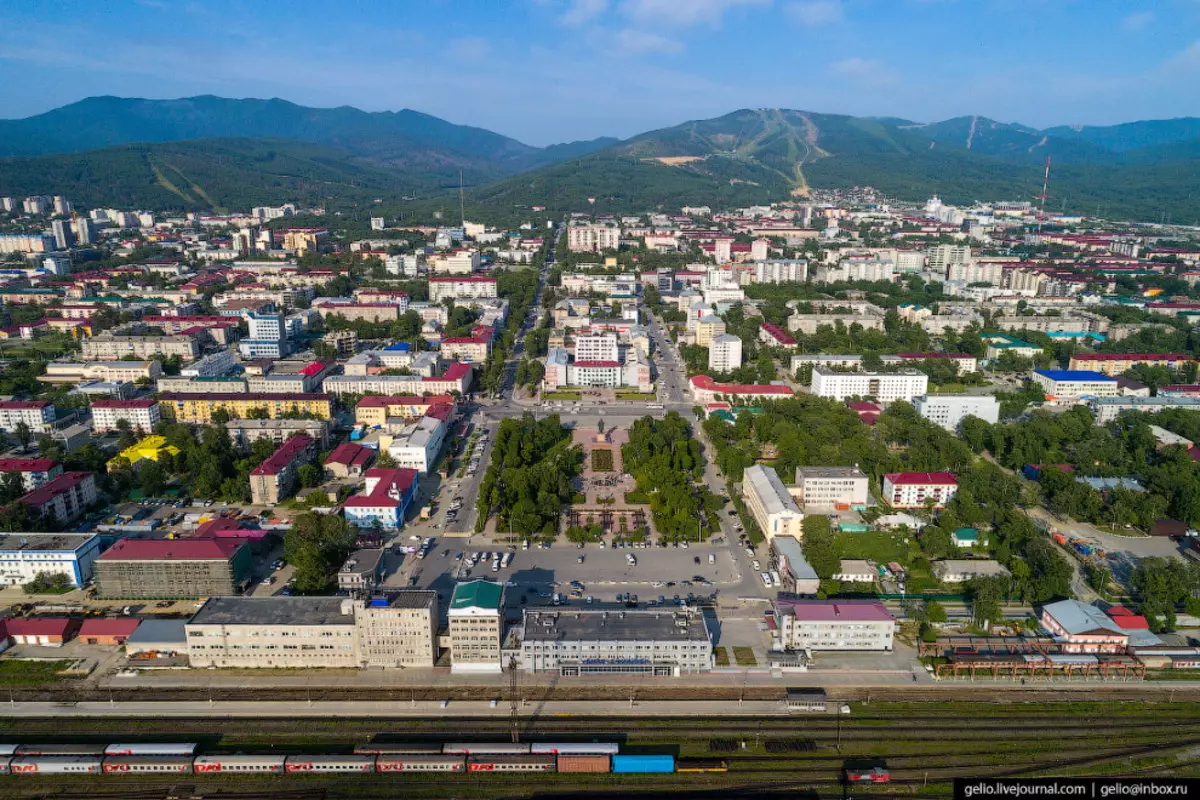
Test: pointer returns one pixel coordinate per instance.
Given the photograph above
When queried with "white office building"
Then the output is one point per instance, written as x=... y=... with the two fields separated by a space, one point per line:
x=828 y=486
x=949 y=410
x=834 y=625
x=885 y=387
x=24 y=555
x=596 y=347
x=724 y=353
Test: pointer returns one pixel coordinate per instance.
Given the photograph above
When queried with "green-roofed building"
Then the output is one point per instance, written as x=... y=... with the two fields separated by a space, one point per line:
x=476 y=626
x=1001 y=342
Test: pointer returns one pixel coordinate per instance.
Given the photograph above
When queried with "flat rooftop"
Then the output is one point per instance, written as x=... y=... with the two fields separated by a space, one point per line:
x=619 y=625
x=10 y=542
x=273 y=611
x=828 y=472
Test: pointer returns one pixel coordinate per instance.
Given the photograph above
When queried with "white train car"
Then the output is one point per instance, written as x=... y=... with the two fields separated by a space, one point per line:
x=157 y=765
x=303 y=764
x=512 y=763
x=152 y=749
x=59 y=750
x=8 y=749
x=575 y=748
x=486 y=748
x=420 y=762
x=239 y=764
x=55 y=765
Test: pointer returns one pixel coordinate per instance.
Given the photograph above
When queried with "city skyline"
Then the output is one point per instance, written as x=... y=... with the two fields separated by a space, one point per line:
x=545 y=71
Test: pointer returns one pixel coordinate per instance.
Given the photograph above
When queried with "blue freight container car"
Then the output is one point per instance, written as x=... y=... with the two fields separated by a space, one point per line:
x=630 y=764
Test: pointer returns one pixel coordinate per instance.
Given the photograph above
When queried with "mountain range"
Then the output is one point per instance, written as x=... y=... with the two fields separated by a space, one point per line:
x=212 y=152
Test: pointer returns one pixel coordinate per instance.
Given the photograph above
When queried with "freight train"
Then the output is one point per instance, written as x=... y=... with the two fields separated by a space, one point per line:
x=182 y=759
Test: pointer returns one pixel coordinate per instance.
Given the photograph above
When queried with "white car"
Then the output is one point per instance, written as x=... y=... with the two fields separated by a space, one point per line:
x=766 y=579
x=757 y=566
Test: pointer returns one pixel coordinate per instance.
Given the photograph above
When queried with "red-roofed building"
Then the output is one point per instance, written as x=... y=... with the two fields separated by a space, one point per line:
x=916 y=489
x=706 y=390
x=804 y=624
x=772 y=335
x=867 y=412
x=1127 y=620
x=144 y=414
x=379 y=409
x=275 y=479
x=64 y=497
x=42 y=631
x=458 y=377
x=107 y=631
x=173 y=568
x=468 y=348
x=37 y=414
x=385 y=500
x=349 y=460
x=34 y=471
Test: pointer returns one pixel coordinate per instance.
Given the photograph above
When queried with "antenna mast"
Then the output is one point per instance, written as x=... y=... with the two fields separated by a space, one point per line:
x=1043 y=196
x=462 y=203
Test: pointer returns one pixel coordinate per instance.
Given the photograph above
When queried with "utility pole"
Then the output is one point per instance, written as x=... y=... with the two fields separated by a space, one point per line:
x=513 y=701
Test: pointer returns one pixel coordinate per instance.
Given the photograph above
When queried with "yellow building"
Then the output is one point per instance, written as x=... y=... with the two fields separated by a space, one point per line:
x=200 y=407
x=151 y=448
x=377 y=410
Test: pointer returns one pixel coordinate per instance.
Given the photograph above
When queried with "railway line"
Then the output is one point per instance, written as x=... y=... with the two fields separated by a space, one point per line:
x=924 y=748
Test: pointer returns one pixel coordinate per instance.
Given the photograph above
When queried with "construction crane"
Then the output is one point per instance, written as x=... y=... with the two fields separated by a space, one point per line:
x=514 y=700
x=1043 y=197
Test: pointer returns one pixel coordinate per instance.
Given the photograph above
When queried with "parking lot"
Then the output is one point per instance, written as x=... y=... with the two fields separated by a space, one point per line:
x=602 y=574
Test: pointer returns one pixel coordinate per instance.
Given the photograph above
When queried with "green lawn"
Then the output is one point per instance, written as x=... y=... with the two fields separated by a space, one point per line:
x=18 y=672
x=745 y=657
x=602 y=460
x=878 y=547
x=562 y=395
x=636 y=396
x=722 y=656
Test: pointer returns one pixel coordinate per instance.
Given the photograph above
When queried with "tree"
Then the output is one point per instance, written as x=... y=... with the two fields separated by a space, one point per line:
x=935 y=612
x=151 y=478
x=23 y=434
x=317 y=545
x=986 y=595
x=309 y=475
x=385 y=460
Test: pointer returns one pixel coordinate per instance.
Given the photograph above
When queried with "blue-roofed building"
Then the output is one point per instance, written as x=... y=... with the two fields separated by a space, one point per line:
x=1108 y=484
x=401 y=347
x=1083 y=629
x=1072 y=384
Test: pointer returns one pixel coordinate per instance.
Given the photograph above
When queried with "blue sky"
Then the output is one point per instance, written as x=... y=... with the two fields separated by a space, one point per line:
x=545 y=71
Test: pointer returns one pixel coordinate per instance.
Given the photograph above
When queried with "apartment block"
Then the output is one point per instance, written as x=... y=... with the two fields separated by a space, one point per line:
x=106 y=347
x=173 y=568
x=949 y=410
x=39 y=415
x=724 y=353
x=201 y=407
x=144 y=414
x=885 y=387
x=275 y=479
x=918 y=489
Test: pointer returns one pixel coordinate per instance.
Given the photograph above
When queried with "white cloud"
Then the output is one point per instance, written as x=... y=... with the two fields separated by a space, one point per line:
x=583 y=11
x=1187 y=59
x=469 y=48
x=637 y=42
x=684 y=13
x=814 y=13
x=1138 y=20
x=865 y=71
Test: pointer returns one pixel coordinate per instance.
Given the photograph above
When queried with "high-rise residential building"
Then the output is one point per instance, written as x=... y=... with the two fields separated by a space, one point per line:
x=592 y=237
x=64 y=237
x=943 y=255
x=724 y=353
x=781 y=270
x=61 y=205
